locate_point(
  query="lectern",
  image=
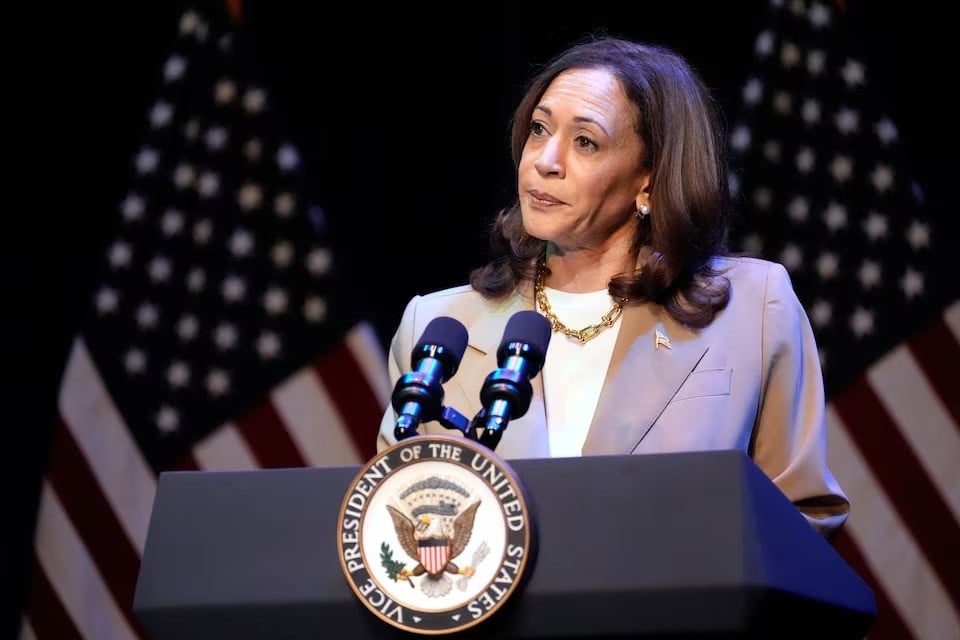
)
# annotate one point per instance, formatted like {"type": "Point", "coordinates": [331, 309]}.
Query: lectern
{"type": "Point", "coordinates": [673, 545]}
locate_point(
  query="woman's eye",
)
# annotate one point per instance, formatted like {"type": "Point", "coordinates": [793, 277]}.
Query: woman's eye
{"type": "Point", "coordinates": [537, 128]}
{"type": "Point", "coordinates": [586, 143]}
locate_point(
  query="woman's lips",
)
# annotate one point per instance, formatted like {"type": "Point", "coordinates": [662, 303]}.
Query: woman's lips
{"type": "Point", "coordinates": [543, 199]}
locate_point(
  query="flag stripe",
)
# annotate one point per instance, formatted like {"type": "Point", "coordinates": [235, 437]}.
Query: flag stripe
{"type": "Point", "coordinates": [888, 624]}
{"type": "Point", "coordinates": [267, 438]}
{"type": "Point", "coordinates": [893, 555]}
{"type": "Point", "coordinates": [187, 462]}
{"type": "Point", "coordinates": [355, 399]}
{"type": "Point", "coordinates": [365, 346]}
{"type": "Point", "coordinates": [47, 617]}
{"type": "Point", "coordinates": [314, 421]}
{"type": "Point", "coordinates": [84, 504]}
{"type": "Point", "coordinates": [75, 577]}
{"type": "Point", "coordinates": [224, 450]}
{"type": "Point", "coordinates": [913, 495]}
{"type": "Point", "coordinates": [938, 352]}
{"type": "Point", "coordinates": [903, 389]}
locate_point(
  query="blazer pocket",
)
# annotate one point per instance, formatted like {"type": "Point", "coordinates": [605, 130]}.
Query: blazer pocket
{"type": "Point", "coordinates": [706, 382]}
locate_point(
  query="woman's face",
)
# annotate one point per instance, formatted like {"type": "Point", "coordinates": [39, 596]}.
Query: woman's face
{"type": "Point", "coordinates": [580, 176]}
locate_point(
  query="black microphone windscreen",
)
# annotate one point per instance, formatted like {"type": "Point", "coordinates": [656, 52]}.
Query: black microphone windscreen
{"type": "Point", "coordinates": [445, 332]}
{"type": "Point", "coordinates": [529, 327]}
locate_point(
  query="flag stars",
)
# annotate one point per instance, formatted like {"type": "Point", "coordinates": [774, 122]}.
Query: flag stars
{"type": "Point", "coordinates": [135, 361]}
{"type": "Point", "coordinates": [284, 204]}
{"type": "Point", "coordinates": [147, 316]}
{"type": "Point", "coordinates": [250, 196]}
{"type": "Point", "coordinates": [218, 382]}
{"type": "Point", "coordinates": [167, 419]}
{"type": "Point", "coordinates": [319, 261]}
{"type": "Point", "coordinates": [202, 231]}
{"type": "Point", "coordinates": [183, 176]}
{"type": "Point", "coordinates": [159, 269]}
{"type": "Point", "coordinates": [835, 217]}
{"type": "Point", "coordinates": [789, 55]}
{"type": "Point", "coordinates": [174, 68]}
{"type": "Point", "coordinates": [853, 73]}
{"type": "Point", "coordinates": [791, 257]}
{"type": "Point", "coordinates": [875, 226]}
{"type": "Point", "coordinates": [771, 151]}
{"type": "Point", "coordinates": [119, 254]}
{"type": "Point", "coordinates": [841, 168]}
{"type": "Point", "coordinates": [805, 160]}
{"type": "Point", "coordinates": [209, 184]}
{"type": "Point", "coordinates": [810, 111]}
{"type": "Point", "coordinates": [740, 138]}
{"type": "Point", "coordinates": [798, 209]}
{"type": "Point", "coordinates": [106, 300]}
{"type": "Point", "coordinates": [187, 327]}
{"type": "Point", "coordinates": [268, 345]}
{"type": "Point", "coordinates": [764, 44]}
{"type": "Point", "coordinates": [882, 178]}
{"type": "Point", "coordinates": [233, 289]}
{"type": "Point", "coordinates": [191, 130]}
{"type": "Point", "coordinates": [816, 62]}
{"type": "Point", "coordinates": [146, 160]}
{"type": "Point", "coordinates": [189, 22]}
{"type": "Point", "coordinates": [315, 309]}
{"type": "Point", "coordinates": [762, 197]}
{"type": "Point", "coordinates": [847, 121]}
{"type": "Point", "coordinates": [819, 16]}
{"type": "Point", "coordinates": [287, 157]}
{"type": "Point", "coordinates": [171, 222]}
{"type": "Point", "coordinates": [282, 254]}
{"type": "Point", "coordinates": [224, 91]}
{"type": "Point", "coordinates": [861, 322]}
{"type": "Point", "coordinates": [912, 283]}
{"type": "Point", "coordinates": [240, 243]}
{"type": "Point", "coordinates": [752, 92]}
{"type": "Point", "coordinates": [275, 301]}
{"type": "Point", "coordinates": [886, 131]}
{"type": "Point", "coordinates": [783, 103]}
{"type": "Point", "coordinates": [253, 149]}
{"type": "Point", "coordinates": [160, 115]}
{"type": "Point", "coordinates": [752, 244]}
{"type": "Point", "coordinates": [225, 336]}
{"type": "Point", "coordinates": [196, 280]}
{"type": "Point", "coordinates": [254, 100]}
{"type": "Point", "coordinates": [821, 313]}
{"type": "Point", "coordinates": [215, 138]}
{"type": "Point", "coordinates": [869, 274]}
{"type": "Point", "coordinates": [132, 207]}
{"type": "Point", "coordinates": [918, 235]}
{"type": "Point", "coordinates": [827, 265]}
{"type": "Point", "coordinates": [178, 375]}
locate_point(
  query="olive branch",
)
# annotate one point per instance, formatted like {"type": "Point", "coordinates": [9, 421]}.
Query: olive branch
{"type": "Point", "coordinates": [386, 559]}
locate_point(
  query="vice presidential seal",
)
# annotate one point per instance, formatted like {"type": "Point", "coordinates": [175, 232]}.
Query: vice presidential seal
{"type": "Point", "coordinates": [434, 534]}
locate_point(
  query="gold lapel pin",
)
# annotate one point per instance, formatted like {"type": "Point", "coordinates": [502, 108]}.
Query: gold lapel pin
{"type": "Point", "coordinates": [661, 340]}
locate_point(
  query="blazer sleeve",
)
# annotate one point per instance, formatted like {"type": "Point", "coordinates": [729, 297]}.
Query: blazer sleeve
{"type": "Point", "coordinates": [398, 363]}
{"type": "Point", "coordinates": [790, 443]}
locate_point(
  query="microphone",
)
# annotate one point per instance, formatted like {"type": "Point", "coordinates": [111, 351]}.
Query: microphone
{"type": "Point", "coordinates": [506, 392]}
{"type": "Point", "coordinates": [418, 395]}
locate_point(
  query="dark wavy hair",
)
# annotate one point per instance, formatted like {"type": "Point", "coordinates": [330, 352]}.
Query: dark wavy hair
{"type": "Point", "coordinates": [684, 148]}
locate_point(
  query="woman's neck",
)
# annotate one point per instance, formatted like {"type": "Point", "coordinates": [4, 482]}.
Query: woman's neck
{"type": "Point", "coordinates": [585, 271]}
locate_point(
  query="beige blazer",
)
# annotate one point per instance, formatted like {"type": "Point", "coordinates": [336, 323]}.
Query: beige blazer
{"type": "Point", "coordinates": [751, 381]}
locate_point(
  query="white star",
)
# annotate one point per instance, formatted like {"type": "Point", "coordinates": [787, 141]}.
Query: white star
{"type": "Point", "coordinates": [771, 151]}
{"type": "Point", "coordinates": [225, 336]}
{"type": "Point", "coordinates": [171, 222]}
{"type": "Point", "coordinates": [268, 345]}
{"type": "Point", "coordinates": [791, 257]}
{"type": "Point", "coordinates": [314, 309]}
{"type": "Point", "coordinates": [869, 274]}
{"type": "Point", "coordinates": [161, 113]}
{"type": "Point", "coordinates": [174, 68]}
{"type": "Point", "coordinates": [159, 269]}
{"type": "Point", "coordinates": [187, 327]}
{"type": "Point", "coordinates": [783, 103]}
{"type": "Point", "coordinates": [798, 209]}
{"type": "Point", "coordinates": [733, 183]}
{"type": "Point", "coordinates": [861, 322]}
{"type": "Point", "coordinates": [146, 160]}
{"type": "Point", "coordinates": [209, 184]}
{"type": "Point", "coordinates": [841, 168]}
{"type": "Point", "coordinates": [225, 43]}
{"type": "Point", "coordinates": [835, 217]}
{"type": "Point", "coordinates": [178, 374]}
{"type": "Point", "coordinates": [147, 316]}
{"type": "Point", "coordinates": [233, 289]}
{"type": "Point", "coordinates": [135, 361]}
{"type": "Point", "coordinates": [287, 157]}
{"type": "Point", "coordinates": [132, 207]}
{"type": "Point", "coordinates": [853, 73]}
{"type": "Point", "coordinates": [886, 131]}
{"type": "Point", "coordinates": [882, 178]}
{"type": "Point", "coordinates": [789, 55]}
{"type": "Point", "coordinates": [319, 261]}
{"type": "Point", "coordinates": [202, 231]}
{"type": "Point", "coordinates": [224, 91]}
{"type": "Point", "coordinates": [819, 16]}
{"type": "Point", "coordinates": [168, 420]}
{"type": "Point", "coordinates": [810, 111]}
{"type": "Point", "coordinates": [275, 301]}
{"type": "Point", "coordinates": [191, 129]}
{"type": "Point", "coordinates": [215, 138]}
{"type": "Point", "coordinates": [752, 92]}
{"type": "Point", "coordinates": [805, 159]}
{"type": "Point", "coordinates": [250, 196]}
{"type": "Point", "coordinates": [821, 313]}
{"type": "Point", "coordinates": [875, 226]}
{"type": "Point", "coordinates": [798, 7]}
{"type": "Point", "coordinates": [918, 235]}
{"type": "Point", "coordinates": [106, 300]}
{"type": "Point", "coordinates": [284, 204]}
{"type": "Point", "coordinates": [252, 149]}
{"type": "Point", "coordinates": [752, 244]}
{"type": "Point", "coordinates": [816, 62]}
{"type": "Point", "coordinates": [912, 283]}
{"type": "Point", "coordinates": [282, 254]}
{"type": "Point", "coordinates": [740, 138]}
{"type": "Point", "coordinates": [764, 44]}
{"type": "Point", "coordinates": [847, 120]}
{"type": "Point", "coordinates": [241, 243]}
{"type": "Point", "coordinates": [189, 22]}
{"type": "Point", "coordinates": [218, 382]}
{"type": "Point", "coordinates": [183, 176]}
{"type": "Point", "coordinates": [827, 265]}
{"type": "Point", "coordinates": [119, 254]}
{"type": "Point", "coordinates": [254, 99]}
{"type": "Point", "coordinates": [762, 197]}
{"type": "Point", "coordinates": [196, 279]}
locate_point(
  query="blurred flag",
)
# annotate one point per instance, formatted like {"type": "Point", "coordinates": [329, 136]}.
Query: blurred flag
{"type": "Point", "coordinates": [221, 335]}
{"type": "Point", "coordinates": [823, 188]}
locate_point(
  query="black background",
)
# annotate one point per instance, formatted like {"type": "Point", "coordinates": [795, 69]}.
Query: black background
{"type": "Point", "coordinates": [402, 118]}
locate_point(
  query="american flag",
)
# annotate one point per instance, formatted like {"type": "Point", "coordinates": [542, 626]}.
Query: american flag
{"type": "Point", "coordinates": [221, 334]}
{"type": "Point", "coordinates": [823, 187]}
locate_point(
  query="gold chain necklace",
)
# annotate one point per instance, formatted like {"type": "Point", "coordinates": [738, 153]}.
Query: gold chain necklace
{"type": "Point", "coordinates": [587, 333]}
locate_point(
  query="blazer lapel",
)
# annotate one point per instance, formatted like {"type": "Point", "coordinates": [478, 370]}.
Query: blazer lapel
{"type": "Point", "coordinates": [641, 380]}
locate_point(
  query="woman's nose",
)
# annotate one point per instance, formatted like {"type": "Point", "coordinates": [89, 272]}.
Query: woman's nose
{"type": "Point", "coordinates": [548, 162]}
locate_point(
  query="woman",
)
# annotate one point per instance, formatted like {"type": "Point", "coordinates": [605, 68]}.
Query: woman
{"type": "Point", "coordinates": [662, 341]}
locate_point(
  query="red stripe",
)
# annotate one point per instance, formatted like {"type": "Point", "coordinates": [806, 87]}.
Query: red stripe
{"type": "Point", "coordinates": [937, 352]}
{"type": "Point", "coordinates": [115, 557]}
{"type": "Point", "coordinates": [356, 401]}
{"type": "Point", "coordinates": [186, 463]}
{"type": "Point", "coordinates": [268, 438]}
{"type": "Point", "coordinates": [915, 497]}
{"type": "Point", "coordinates": [888, 625]}
{"type": "Point", "coordinates": [50, 621]}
